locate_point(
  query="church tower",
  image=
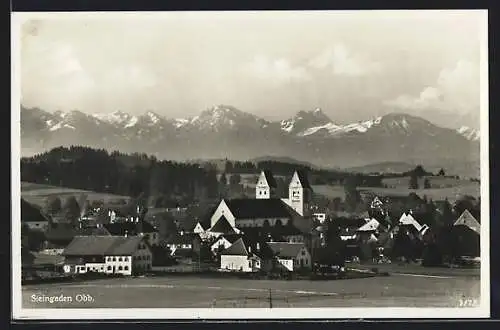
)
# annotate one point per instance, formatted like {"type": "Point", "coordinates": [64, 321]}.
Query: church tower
{"type": "Point", "coordinates": [299, 193]}
{"type": "Point", "coordinates": [266, 186]}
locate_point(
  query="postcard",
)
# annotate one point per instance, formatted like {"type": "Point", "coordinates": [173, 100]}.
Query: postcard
{"type": "Point", "coordinates": [250, 165]}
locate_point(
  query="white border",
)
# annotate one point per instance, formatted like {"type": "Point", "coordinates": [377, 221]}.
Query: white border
{"type": "Point", "coordinates": [20, 313]}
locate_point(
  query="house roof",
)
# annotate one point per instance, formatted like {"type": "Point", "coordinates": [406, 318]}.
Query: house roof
{"type": "Point", "coordinates": [468, 220]}
{"type": "Point", "coordinates": [222, 226]}
{"type": "Point", "coordinates": [304, 181]}
{"type": "Point", "coordinates": [177, 238]}
{"type": "Point", "coordinates": [93, 231]}
{"type": "Point", "coordinates": [271, 181]}
{"type": "Point", "coordinates": [371, 225]}
{"type": "Point", "coordinates": [130, 228]}
{"type": "Point", "coordinates": [238, 248]}
{"type": "Point", "coordinates": [231, 238]}
{"type": "Point", "coordinates": [102, 245]}
{"type": "Point", "coordinates": [409, 220]}
{"type": "Point", "coordinates": [283, 249]}
{"type": "Point", "coordinates": [258, 208]}
{"type": "Point", "coordinates": [31, 213]}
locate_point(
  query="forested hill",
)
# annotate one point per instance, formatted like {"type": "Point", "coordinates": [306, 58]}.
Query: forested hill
{"type": "Point", "coordinates": [117, 173]}
{"type": "Point", "coordinates": [134, 174]}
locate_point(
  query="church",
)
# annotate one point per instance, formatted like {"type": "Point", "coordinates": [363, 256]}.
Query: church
{"type": "Point", "coordinates": [281, 219]}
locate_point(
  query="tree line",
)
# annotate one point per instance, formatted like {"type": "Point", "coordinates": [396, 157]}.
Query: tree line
{"type": "Point", "coordinates": [116, 173]}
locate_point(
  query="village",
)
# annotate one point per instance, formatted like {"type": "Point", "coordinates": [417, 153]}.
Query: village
{"type": "Point", "coordinates": [267, 236]}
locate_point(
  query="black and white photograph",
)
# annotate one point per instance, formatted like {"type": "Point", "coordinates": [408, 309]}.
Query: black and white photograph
{"type": "Point", "coordinates": [250, 165]}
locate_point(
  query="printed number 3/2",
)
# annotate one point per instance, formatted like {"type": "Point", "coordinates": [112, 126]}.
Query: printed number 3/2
{"type": "Point", "coordinates": [467, 302]}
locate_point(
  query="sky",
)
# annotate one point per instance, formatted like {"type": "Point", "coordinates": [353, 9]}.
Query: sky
{"type": "Point", "coordinates": [353, 65]}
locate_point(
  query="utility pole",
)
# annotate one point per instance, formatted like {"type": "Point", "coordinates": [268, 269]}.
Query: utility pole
{"type": "Point", "coordinates": [270, 299]}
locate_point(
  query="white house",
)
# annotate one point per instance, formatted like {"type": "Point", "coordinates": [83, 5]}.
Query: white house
{"type": "Point", "coordinates": [238, 258]}
{"type": "Point", "coordinates": [292, 256]}
{"type": "Point", "coordinates": [107, 254]}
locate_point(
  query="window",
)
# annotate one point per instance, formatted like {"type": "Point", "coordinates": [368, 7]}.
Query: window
{"type": "Point", "coordinates": [250, 264]}
{"type": "Point", "coordinates": [125, 268]}
{"type": "Point", "coordinates": [119, 258]}
{"type": "Point", "coordinates": [119, 267]}
{"type": "Point", "coordinates": [114, 259]}
{"type": "Point", "coordinates": [109, 267]}
{"type": "Point", "coordinates": [303, 253]}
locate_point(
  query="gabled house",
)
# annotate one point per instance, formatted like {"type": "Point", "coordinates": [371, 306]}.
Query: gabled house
{"type": "Point", "coordinates": [223, 227]}
{"type": "Point", "coordinates": [238, 257]}
{"type": "Point", "coordinates": [108, 255]}
{"type": "Point", "coordinates": [369, 231]}
{"type": "Point", "coordinates": [467, 219]}
{"type": "Point", "coordinates": [408, 221]}
{"type": "Point", "coordinates": [466, 235]}
{"type": "Point", "coordinates": [198, 228]}
{"type": "Point", "coordinates": [223, 242]}
{"type": "Point", "coordinates": [291, 256]}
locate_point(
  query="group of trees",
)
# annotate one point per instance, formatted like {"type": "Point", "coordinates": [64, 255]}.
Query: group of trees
{"type": "Point", "coordinates": [130, 175]}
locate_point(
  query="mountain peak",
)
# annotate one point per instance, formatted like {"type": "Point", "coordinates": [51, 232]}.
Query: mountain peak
{"type": "Point", "coordinates": [469, 133]}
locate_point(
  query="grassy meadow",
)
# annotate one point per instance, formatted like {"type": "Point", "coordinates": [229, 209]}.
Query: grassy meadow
{"type": "Point", "coordinates": [38, 193]}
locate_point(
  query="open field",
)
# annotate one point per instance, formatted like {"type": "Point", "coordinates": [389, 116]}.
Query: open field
{"type": "Point", "coordinates": [452, 193]}
{"type": "Point", "coordinates": [38, 193]}
{"type": "Point", "coordinates": [397, 290]}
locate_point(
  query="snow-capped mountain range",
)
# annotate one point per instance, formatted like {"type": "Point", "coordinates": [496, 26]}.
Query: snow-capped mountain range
{"type": "Point", "coordinates": [226, 132]}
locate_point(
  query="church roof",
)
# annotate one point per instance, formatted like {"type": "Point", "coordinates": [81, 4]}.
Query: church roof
{"type": "Point", "coordinates": [222, 226]}
{"type": "Point", "coordinates": [270, 178]}
{"type": "Point", "coordinates": [258, 208]}
{"type": "Point", "coordinates": [468, 220]}
{"type": "Point", "coordinates": [238, 248]}
{"type": "Point", "coordinates": [304, 181]}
